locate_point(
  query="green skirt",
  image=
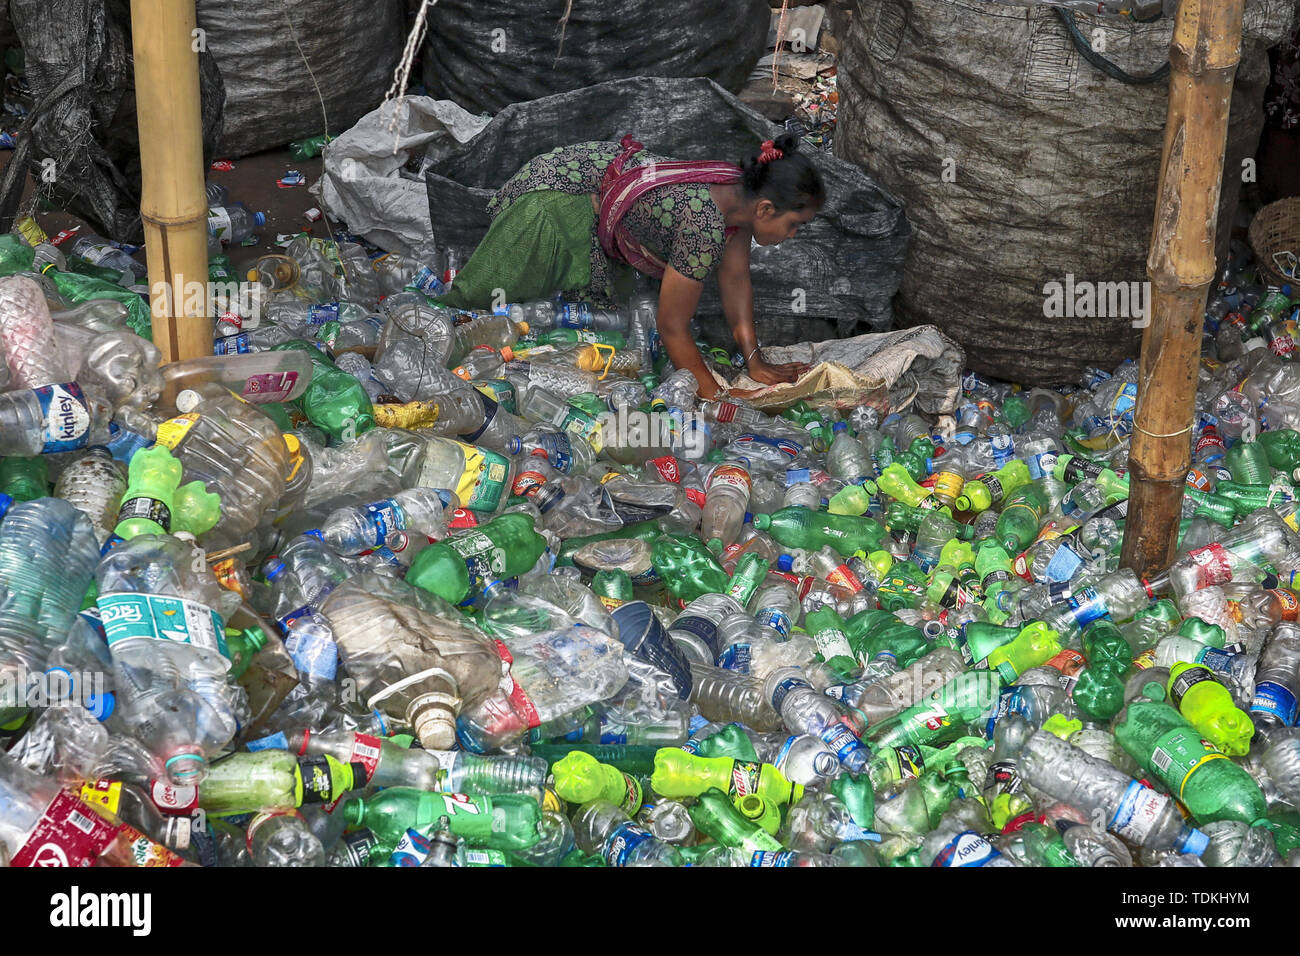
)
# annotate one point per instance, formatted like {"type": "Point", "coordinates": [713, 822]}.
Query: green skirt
{"type": "Point", "coordinates": [540, 244]}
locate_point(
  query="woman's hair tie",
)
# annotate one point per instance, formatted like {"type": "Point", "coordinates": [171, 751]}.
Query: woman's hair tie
{"type": "Point", "coordinates": [768, 152]}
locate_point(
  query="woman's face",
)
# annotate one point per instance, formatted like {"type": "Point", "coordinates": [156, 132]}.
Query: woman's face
{"type": "Point", "coordinates": [772, 227]}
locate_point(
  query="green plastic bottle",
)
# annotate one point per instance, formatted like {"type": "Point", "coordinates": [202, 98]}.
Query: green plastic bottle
{"type": "Point", "coordinates": [1201, 776]}
{"type": "Point", "coordinates": [982, 493]}
{"type": "Point", "coordinates": [1021, 518]}
{"type": "Point", "coordinates": [751, 572]}
{"type": "Point", "coordinates": [873, 632]}
{"type": "Point", "coordinates": [827, 630]}
{"type": "Point", "coordinates": [266, 779]}
{"type": "Point", "coordinates": [1045, 846]}
{"type": "Point", "coordinates": [334, 402]}
{"type": "Point", "coordinates": [731, 741]}
{"type": "Point", "coordinates": [716, 816]}
{"type": "Point", "coordinates": [943, 715]}
{"type": "Point", "coordinates": [687, 567]}
{"type": "Point", "coordinates": [581, 778]}
{"type": "Point", "coordinates": [506, 821]}
{"type": "Point", "coordinates": [614, 588]}
{"type": "Point", "coordinates": [24, 479]}
{"type": "Point", "coordinates": [642, 530]}
{"type": "Point", "coordinates": [681, 774]}
{"type": "Point", "coordinates": [636, 759]}
{"type": "Point", "coordinates": [1282, 447]}
{"type": "Point", "coordinates": [505, 547]}
{"type": "Point", "coordinates": [812, 530]}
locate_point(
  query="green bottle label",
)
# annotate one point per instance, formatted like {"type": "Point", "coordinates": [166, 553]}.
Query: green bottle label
{"type": "Point", "coordinates": [831, 642]}
{"type": "Point", "coordinates": [1178, 754]}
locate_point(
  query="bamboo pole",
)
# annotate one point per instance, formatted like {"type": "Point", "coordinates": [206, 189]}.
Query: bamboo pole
{"type": "Point", "coordinates": [1203, 58]}
{"type": "Point", "coordinates": [173, 205]}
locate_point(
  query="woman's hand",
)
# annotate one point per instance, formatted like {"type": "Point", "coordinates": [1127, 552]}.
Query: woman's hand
{"type": "Point", "coordinates": [760, 371]}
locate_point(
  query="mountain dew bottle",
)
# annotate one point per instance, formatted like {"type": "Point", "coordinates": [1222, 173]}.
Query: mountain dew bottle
{"type": "Point", "coordinates": [153, 476]}
{"type": "Point", "coordinates": [943, 715]}
{"type": "Point", "coordinates": [680, 774]}
{"type": "Point", "coordinates": [897, 483]}
{"type": "Point", "coordinates": [827, 630]}
{"type": "Point", "coordinates": [986, 491]}
{"type": "Point", "coordinates": [715, 815]}
{"type": "Point", "coordinates": [581, 778]}
{"type": "Point", "coordinates": [1201, 776]}
{"type": "Point", "coordinates": [812, 530]}
{"type": "Point", "coordinates": [1208, 705]}
{"type": "Point", "coordinates": [252, 782]}
{"type": "Point", "coordinates": [1035, 644]}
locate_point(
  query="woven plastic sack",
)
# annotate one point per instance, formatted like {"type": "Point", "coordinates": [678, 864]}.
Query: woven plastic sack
{"type": "Point", "coordinates": [487, 54]}
{"type": "Point", "coordinates": [80, 141]}
{"type": "Point", "coordinates": [1023, 163]}
{"type": "Point", "coordinates": [272, 95]}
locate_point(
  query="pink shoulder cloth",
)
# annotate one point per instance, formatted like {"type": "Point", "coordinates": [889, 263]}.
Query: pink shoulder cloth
{"type": "Point", "coordinates": [619, 192]}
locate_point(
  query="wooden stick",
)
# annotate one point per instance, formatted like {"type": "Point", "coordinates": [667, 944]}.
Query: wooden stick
{"type": "Point", "coordinates": [173, 204]}
{"type": "Point", "coordinates": [1203, 56]}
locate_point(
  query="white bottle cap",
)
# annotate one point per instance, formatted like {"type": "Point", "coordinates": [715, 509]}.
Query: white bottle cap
{"type": "Point", "coordinates": [188, 400]}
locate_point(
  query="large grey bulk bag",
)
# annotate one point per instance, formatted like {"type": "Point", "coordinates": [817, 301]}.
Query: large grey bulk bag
{"type": "Point", "coordinates": [836, 277]}
{"type": "Point", "coordinates": [80, 141]}
{"type": "Point", "coordinates": [273, 97]}
{"type": "Point", "coordinates": [1021, 164]}
{"type": "Point", "coordinates": [486, 54]}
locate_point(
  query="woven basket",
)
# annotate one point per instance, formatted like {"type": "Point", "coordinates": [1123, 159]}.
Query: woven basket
{"type": "Point", "coordinates": [1274, 232]}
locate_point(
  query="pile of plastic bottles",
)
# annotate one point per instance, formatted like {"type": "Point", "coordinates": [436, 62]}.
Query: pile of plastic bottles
{"type": "Point", "coordinates": [385, 584]}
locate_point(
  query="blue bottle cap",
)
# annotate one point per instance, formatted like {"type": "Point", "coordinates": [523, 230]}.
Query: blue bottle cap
{"type": "Point", "coordinates": [1192, 841]}
{"type": "Point", "coordinates": [785, 563]}
{"type": "Point", "coordinates": [839, 427]}
{"type": "Point", "coordinates": [315, 533]}
{"type": "Point", "coordinates": [274, 568]}
{"type": "Point", "coordinates": [749, 517]}
{"type": "Point", "coordinates": [259, 218]}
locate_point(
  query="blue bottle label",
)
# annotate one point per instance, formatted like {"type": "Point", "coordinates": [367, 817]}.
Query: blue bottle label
{"type": "Point", "coordinates": [1087, 606]}
{"type": "Point", "coordinates": [65, 417]}
{"type": "Point", "coordinates": [1273, 698]}
{"type": "Point", "coordinates": [784, 688]}
{"type": "Point", "coordinates": [1041, 465]}
{"type": "Point", "coordinates": [772, 858]}
{"type": "Point", "coordinates": [322, 313]}
{"type": "Point", "coordinates": [967, 848]}
{"type": "Point", "coordinates": [1064, 565]}
{"type": "Point", "coordinates": [736, 657]}
{"type": "Point", "coordinates": [623, 842]}
{"type": "Point", "coordinates": [776, 619]}
{"type": "Point", "coordinates": [232, 345]}
{"type": "Point", "coordinates": [276, 741]}
{"type": "Point", "coordinates": [313, 654]}
{"type": "Point", "coordinates": [384, 517]}
{"type": "Point", "coordinates": [701, 627]}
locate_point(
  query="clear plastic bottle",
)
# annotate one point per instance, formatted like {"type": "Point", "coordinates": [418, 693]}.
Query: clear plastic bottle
{"type": "Point", "coordinates": [804, 710]}
{"type": "Point", "coordinates": [94, 485]}
{"type": "Point", "coordinates": [172, 669]}
{"type": "Point", "coordinates": [232, 223]}
{"type": "Point", "coordinates": [283, 838]}
{"type": "Point", "coordinates": [728, 696]}
{"type": "Point", "coordinates": [27, 339]}
{"type": "Point", "coordinates": [1277, 679]}
{"type": "Point", "coordinates": [1109, 796]}
{"type": "Point", "coordinates": [236, 451]}
{"type": "Point", "coordinates": [726, 500]}
{"type": "Point", "coordinates": [603, 829]}
{"type": "Point", "coordinates": [47, 560]}
{"type": "Point", "coordinates": [361, 528]}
